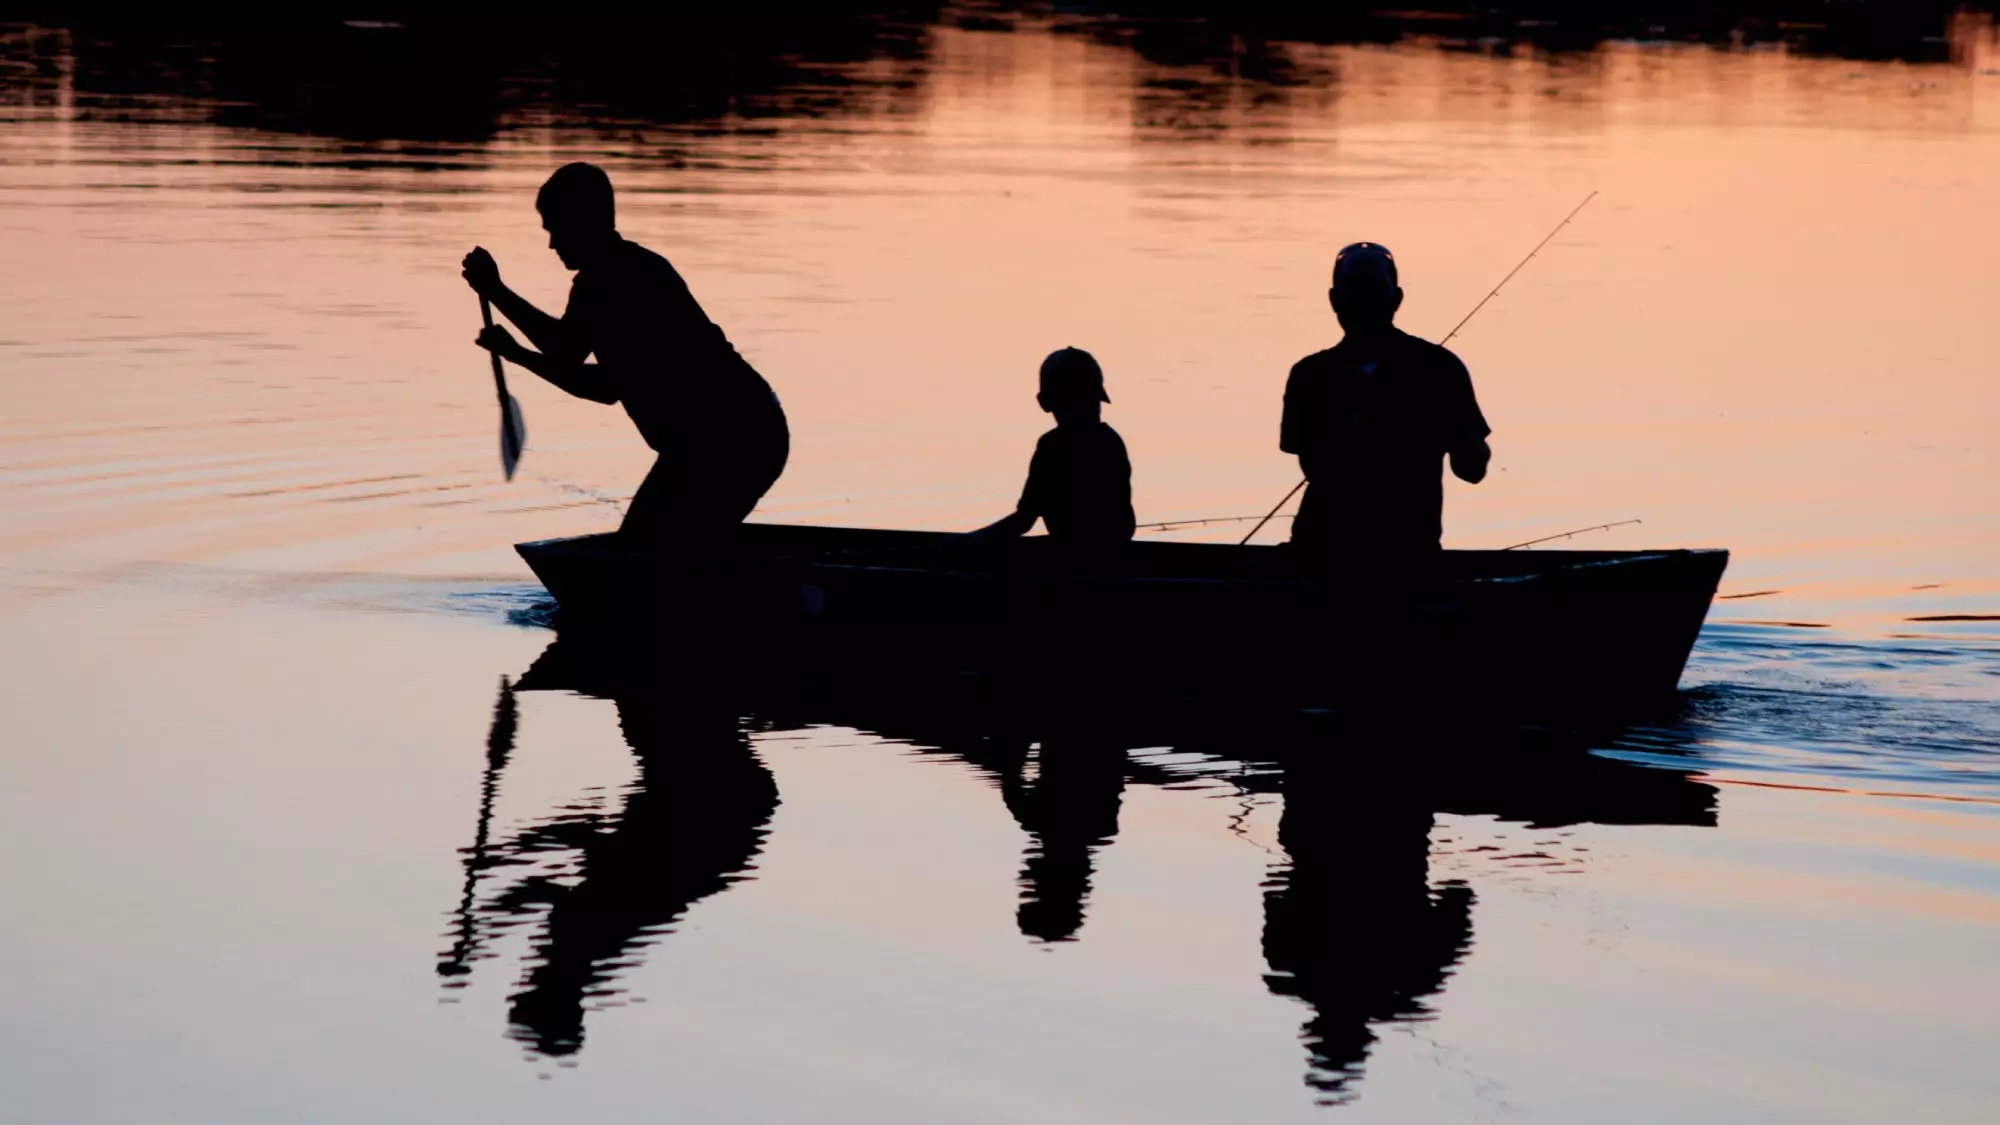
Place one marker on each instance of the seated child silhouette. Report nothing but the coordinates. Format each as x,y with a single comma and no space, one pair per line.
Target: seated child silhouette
1080,480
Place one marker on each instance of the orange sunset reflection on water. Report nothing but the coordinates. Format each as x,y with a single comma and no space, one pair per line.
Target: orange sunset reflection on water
1771,331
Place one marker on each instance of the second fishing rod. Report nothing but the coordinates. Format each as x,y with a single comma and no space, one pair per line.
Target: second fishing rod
1494,292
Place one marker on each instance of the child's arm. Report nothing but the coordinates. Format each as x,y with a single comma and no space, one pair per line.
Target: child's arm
1027,510
1013,525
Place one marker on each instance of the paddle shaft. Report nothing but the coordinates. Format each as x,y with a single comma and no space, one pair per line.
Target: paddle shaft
499,370
1494,292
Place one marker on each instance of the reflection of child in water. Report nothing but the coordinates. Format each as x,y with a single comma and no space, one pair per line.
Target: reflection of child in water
1080,480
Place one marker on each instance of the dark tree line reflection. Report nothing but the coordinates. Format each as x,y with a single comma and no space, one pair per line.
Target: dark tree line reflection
1355,926
451,79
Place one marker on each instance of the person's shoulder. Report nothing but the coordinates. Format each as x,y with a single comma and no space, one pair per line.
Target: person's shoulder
1321,360
1073,440
640,261
1436,357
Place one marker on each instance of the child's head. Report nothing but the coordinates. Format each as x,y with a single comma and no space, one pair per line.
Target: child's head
1072,384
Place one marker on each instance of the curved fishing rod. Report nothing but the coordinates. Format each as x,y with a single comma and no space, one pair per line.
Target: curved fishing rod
1170,525
1173,525
1494,292
1567,534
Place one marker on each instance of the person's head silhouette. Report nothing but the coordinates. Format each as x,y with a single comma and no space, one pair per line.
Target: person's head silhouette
1365,293
1072,385
578,212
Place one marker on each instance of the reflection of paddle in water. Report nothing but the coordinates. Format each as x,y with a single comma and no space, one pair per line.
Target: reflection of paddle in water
689,828
499,745
607,885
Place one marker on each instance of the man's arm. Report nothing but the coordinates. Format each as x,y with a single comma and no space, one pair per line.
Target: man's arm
584,380
1466,426
1469,461
1295,425
546,332
557,340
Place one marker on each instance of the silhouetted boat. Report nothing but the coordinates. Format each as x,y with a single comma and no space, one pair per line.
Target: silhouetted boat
1528,633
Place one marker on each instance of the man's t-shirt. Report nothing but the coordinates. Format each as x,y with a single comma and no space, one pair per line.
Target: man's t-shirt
1080,484
1373,441
675,372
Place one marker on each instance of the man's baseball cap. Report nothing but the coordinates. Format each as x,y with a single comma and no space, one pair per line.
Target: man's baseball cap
1365,260
1071,374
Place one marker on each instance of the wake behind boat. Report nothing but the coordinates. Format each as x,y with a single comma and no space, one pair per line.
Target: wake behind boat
1544,634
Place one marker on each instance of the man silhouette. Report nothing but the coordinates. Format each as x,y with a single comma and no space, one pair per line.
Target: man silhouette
713,420
1371,418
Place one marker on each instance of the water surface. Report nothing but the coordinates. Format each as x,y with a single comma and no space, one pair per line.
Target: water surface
281,846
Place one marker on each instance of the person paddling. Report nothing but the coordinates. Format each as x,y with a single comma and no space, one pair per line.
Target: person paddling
1080,479
1371,418
716,424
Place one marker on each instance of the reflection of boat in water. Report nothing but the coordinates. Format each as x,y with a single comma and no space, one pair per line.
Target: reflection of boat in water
1355,927
1539,632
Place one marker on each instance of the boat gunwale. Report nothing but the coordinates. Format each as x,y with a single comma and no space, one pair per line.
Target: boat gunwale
579,548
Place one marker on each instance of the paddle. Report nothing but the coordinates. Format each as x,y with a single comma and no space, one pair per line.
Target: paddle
513,431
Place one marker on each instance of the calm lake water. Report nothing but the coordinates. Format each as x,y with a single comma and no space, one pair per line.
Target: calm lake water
280,841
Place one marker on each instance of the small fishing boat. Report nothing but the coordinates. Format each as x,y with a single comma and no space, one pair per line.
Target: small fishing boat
1531,634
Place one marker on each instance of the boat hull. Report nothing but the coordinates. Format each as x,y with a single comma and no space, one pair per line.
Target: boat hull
1527,634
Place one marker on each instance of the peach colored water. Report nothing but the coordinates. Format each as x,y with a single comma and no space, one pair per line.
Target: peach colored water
256,581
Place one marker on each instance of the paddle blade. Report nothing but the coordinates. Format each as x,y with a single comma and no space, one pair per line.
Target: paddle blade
513,436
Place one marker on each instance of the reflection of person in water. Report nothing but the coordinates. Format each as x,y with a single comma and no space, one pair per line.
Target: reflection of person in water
1071,811
1352,926
690,827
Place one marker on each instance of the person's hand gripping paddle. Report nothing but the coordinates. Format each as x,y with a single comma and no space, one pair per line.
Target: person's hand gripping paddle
513,431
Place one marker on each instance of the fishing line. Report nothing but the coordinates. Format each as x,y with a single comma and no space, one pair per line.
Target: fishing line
575,489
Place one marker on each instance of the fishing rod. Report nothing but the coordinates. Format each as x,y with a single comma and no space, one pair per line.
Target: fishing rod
1567,534
1495,291
1170,525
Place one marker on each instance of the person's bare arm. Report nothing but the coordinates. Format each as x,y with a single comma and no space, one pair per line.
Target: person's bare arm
1013,525
561,358
547,333
1469,460
584,380
1466,429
